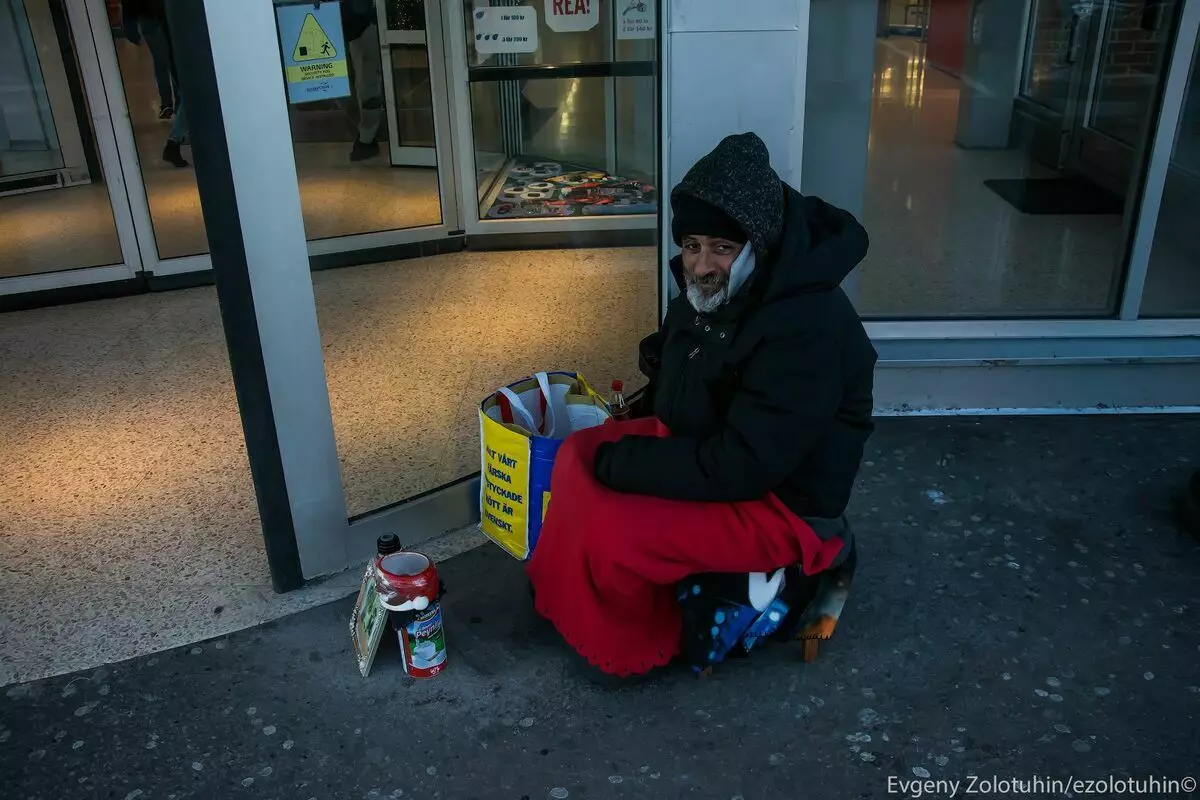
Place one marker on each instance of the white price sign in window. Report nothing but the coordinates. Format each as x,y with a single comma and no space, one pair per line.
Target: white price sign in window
634,19
510,29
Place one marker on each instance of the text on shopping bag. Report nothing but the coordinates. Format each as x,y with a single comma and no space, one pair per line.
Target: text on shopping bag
506,480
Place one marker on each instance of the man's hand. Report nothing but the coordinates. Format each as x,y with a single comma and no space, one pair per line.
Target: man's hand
602,460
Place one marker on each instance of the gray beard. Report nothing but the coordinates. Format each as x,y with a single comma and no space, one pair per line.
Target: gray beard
706,303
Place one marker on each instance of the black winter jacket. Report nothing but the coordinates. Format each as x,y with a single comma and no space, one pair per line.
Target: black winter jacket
771,393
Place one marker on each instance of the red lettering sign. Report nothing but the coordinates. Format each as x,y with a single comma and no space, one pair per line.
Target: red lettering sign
571,16
568,7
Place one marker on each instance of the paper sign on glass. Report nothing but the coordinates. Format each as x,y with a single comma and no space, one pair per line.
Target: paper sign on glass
634,19
573,16
508,29
314,51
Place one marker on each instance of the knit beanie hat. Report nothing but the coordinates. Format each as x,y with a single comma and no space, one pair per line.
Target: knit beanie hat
737,178
691,216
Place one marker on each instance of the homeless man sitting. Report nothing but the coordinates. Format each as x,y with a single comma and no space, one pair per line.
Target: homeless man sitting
701,528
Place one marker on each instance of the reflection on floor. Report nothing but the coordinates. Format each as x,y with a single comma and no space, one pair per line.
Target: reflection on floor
411,348
535,187
127,518
943,244
56,229
339,198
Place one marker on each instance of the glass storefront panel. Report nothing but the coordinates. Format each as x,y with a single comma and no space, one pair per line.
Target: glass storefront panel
993,197
1172,286
566,129
356,175
55,211
427,342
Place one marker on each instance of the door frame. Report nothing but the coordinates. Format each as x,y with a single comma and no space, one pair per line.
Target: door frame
104,127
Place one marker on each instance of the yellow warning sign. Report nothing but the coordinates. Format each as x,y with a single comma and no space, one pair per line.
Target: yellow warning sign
312,43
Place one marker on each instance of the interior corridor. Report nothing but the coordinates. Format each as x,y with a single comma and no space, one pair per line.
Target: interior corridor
943,243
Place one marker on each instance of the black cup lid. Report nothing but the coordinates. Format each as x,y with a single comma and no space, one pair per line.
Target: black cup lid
388,543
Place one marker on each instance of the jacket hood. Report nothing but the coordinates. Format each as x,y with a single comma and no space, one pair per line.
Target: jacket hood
737,178
819,245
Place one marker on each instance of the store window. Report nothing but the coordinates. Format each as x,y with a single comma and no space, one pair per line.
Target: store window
366,162
55,211
563,108
428,341
1003,153
1172,286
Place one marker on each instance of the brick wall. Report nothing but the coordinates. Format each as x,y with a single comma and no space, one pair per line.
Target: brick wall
1132,50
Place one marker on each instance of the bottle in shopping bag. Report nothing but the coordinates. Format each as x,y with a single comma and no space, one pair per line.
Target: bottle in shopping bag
616,402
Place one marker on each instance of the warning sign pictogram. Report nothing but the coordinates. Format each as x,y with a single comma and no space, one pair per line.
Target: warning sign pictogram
312,43
313,48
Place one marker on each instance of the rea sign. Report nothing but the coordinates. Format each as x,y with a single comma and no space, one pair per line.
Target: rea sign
572,16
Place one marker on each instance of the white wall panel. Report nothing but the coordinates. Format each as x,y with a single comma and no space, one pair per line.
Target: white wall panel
747,15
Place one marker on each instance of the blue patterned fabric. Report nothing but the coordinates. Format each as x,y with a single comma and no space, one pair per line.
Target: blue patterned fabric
716,627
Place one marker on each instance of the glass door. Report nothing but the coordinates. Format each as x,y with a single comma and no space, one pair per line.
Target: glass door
64,216
374,167
1091,76
556,105
1054,71
1126,61
408,82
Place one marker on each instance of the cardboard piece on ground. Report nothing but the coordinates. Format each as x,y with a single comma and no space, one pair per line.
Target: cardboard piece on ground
367,622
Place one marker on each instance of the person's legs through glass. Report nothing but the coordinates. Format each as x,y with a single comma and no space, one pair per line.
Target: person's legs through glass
160,53
171,151
368,92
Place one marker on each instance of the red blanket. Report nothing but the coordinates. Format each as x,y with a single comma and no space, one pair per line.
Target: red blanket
605,565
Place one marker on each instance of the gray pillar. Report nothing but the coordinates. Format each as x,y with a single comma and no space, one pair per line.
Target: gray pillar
229,68
991,72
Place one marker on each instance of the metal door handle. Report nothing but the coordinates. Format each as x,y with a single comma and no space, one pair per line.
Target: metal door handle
1073,31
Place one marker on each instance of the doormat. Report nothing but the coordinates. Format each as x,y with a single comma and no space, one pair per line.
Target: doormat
1071,194
537,187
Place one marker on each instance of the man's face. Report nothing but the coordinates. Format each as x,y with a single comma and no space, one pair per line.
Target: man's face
707,261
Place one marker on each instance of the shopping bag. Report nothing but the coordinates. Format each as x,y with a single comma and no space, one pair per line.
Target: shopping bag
520,429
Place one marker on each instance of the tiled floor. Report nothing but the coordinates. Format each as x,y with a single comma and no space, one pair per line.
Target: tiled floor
55,229
127,516
411,348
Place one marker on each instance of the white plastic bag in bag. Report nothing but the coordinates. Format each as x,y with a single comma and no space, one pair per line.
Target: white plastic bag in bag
556,406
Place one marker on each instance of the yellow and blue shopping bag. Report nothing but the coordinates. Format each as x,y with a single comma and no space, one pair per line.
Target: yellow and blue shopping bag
521,427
